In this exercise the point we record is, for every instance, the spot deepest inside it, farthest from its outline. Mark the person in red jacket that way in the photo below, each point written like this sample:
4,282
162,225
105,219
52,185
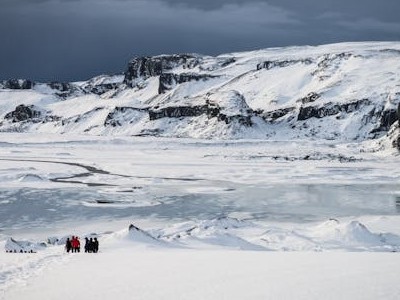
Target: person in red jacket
73,244
76,245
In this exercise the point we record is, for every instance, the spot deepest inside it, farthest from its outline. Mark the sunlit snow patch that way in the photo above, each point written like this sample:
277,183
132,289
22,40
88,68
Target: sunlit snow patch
352,236
330,235
218,232
141,236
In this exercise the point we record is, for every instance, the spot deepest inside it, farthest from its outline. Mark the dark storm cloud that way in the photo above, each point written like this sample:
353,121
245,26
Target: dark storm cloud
76,39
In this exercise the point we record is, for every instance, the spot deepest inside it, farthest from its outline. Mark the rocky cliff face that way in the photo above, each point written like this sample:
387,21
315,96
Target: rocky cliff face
396,143
17,84
23,113
145,67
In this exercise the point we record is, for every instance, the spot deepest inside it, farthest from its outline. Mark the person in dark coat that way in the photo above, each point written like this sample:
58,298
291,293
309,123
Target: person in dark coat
90,247
86,245
68,245
95,245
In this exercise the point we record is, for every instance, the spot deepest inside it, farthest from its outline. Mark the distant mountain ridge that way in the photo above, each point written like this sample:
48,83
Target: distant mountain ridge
347,91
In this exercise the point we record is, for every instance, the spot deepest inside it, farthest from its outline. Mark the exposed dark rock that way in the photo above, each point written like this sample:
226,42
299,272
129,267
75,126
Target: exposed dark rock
169,80
311,97
281,63
228,62
101,88
23,113
221,63
243,120
17,84
60,86
329,58
398,113
150,132
330,109
327,62
209,109
184,111
317,156
121,115
271,116
387,119
391,51
145,67
64,89
394,135
396,143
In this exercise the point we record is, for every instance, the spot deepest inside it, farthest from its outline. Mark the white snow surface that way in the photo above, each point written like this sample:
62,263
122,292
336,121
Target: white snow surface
134,264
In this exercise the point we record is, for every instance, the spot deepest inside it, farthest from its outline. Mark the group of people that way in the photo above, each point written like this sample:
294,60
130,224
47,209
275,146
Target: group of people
74,245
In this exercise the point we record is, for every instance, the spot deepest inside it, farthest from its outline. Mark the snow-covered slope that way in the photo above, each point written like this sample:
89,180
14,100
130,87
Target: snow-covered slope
348,91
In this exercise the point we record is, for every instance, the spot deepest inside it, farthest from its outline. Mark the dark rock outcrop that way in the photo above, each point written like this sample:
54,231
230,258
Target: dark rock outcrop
23,113
329,63
184,111
210,109
397,139
387,119
227,62
329,109
169,80
311,97
17,84
100,89
145,67
65,90
270,64
271,116
60,86
398,113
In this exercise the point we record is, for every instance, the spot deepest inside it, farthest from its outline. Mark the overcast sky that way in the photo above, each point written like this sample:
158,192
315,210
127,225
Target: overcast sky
65,40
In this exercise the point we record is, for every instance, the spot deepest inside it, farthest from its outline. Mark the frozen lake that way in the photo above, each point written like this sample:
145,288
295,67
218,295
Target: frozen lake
22,208
86,179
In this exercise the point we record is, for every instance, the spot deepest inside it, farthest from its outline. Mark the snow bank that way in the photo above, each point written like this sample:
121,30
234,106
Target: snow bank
23,246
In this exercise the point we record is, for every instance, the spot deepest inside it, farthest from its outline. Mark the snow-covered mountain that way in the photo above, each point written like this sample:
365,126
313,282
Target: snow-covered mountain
347,91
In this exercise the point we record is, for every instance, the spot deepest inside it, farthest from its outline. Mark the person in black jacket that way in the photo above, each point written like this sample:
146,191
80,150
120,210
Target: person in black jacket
68,245
95,245
86,245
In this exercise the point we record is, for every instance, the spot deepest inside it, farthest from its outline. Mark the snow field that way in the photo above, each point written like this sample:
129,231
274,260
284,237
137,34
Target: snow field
127,268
